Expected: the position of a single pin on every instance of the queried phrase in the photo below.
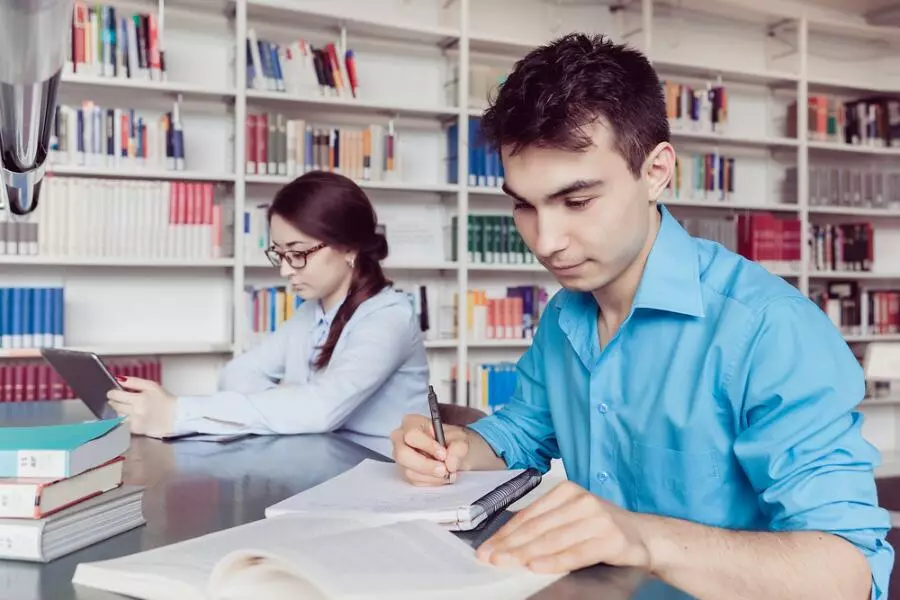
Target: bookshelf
(421, 67)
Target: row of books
(485, 166)
(27, 380)
(108, 42)
(106, 218)
(491, 239)
(300, 68)
(32, 317)
(859, 310)
(774, 242)
(842, 185)
(514, 315)
(709, 177)
(268, 307)
(841, 247)
(277, 145)
(872, 122)
(703, 109)
(91, 135)
(489, 386)
(62, 488)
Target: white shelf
(724, 138)
(730, 205)
(148, 349)
(493, 267)
(873, 337)
(839, 147)
(146, 85)
(499, 343)
(853, 275)
(728, 74)
(74, 261)
(855, 211)
(114, 172)
(352, 105)
(399, 186)
(286, 12)
(489, 44)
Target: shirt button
(603, 408)
(602, 476)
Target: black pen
(436, 417)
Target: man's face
(583, 214)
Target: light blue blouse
(377, 374)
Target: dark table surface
(194, 488)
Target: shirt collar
(671, 277)
(670, 281)
(325, 318)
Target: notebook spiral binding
(506, 494)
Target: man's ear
(659, 167)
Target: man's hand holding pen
(422, 459)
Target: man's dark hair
(559, 88)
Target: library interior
(151, 256)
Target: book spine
(21, 541)
(19, 501)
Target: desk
(194, 488)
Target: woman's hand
(149, 409)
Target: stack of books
(61, 488)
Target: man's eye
(521, 206)
(578, 203)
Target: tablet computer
(88, 377)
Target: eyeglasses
(295, 258)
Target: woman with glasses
(352, 356)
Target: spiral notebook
(377, 490)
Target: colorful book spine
(710, 177)
(510, 317)
(280, 146)
(107, 41)
(700, 109)
(872, 122)
(32, 317)
(302, 69)
(842, 246)
(485, 166)
(267, 308)
(108, 218)
(490, 386)
(28, 380)
(90, 135)
(492, 239)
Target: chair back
(461, 416)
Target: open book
(375, 489)
(313, 557)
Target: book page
(411, 559)
(188, 565)
(377, 487)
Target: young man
(703, 408)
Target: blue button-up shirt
(725, 398)
(378, 373)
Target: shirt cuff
(499, 437)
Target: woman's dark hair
(334, 210)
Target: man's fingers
(413, 460)
(456, 452)
(582, 554)
(423, 442)
(558, 496)
(532, 530)
(422, 479)
(549, 534)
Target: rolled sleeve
(801, 442)
(522, 431)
